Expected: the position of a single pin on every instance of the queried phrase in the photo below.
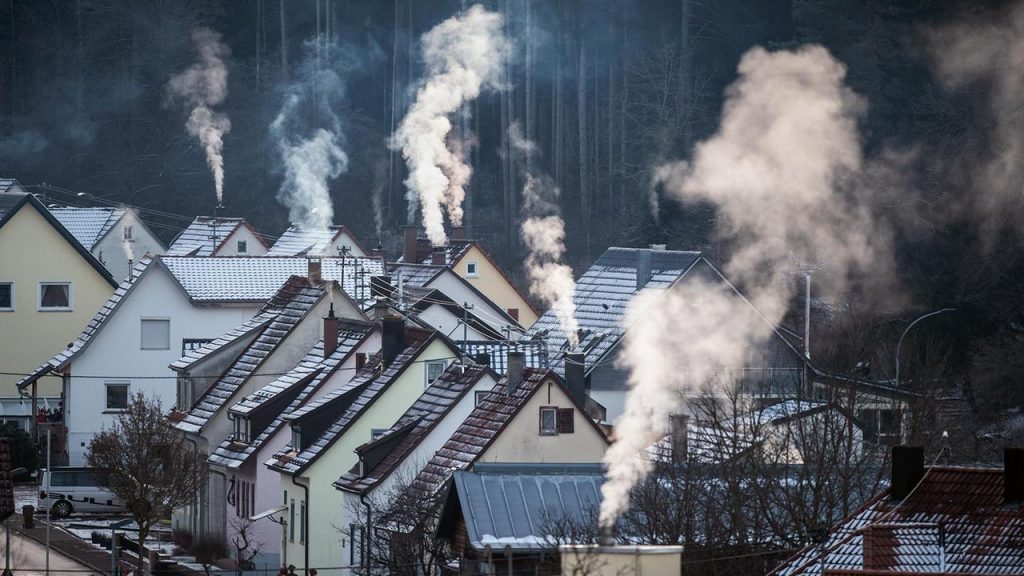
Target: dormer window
(296, 438)
(243, 246)
(434, 371)
(241, 429)
(376, 433)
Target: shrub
(181, 538)
(208, 549)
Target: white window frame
(128, 395)
(554, 421)
(184, 402)
(127, 233)
(426, 372)
(472, 270)
(155, 319)
(71, 297)
(296, 438)
(242, 246)
(242, 429)
(479, 395)
(12, 306)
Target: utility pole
(466, 307)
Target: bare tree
(147, 464)
(244, 543)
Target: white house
(168, 306)
(326, 432)
(298, 242)
(218, 236)
(115, 236)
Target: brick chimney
(331, 325)
(576, 376)
(313, 270)
(516, 367)
(392, 339)
(1013, 479)
(438, 257)
(409, 244)
(458, 233)
(907, 470)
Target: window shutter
(565, 420)
(156, 334)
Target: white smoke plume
(202, 86)
(543, 232)
(463, 55)
(380, 178)
(987, 52)
(782, 172)
(309, 138)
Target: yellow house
(469, 260)
(327, 431)
(50, 287)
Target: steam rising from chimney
(309, 138)
(782, 171)
(463, 55)
(543, 231)
(202, 86)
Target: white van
(75, 490)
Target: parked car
(75, 490)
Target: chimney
(483, 359)
(437, 257)
(392, 339)
(643, 268)
(378, 250)
(313, 270)
(131, 269)
(657, 247)
(380, 287)
(409, 244)
(458, 233)
(380, 310)
(516, 366)
(576, 376)
(907, 470)
(1013, 479)
(331, 325)
(606, 536)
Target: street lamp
(899, 344)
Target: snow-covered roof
(534, 352)
(298, 242)
(281, 314)
(88, 225)
(205, 235)
(297, 385)
(257, 278)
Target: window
(6, 295)
(117, 395)
(296, 438)
(434, 371)
(471, 270)
(479, 396)
(242, 247)
(128, 233)
(514, 313)
(376, 433)
(156, 334)
(291, 521)
(55, 296)
(241, 429)
(184, 394)
(548, 421)
(192, 344)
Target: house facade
(218, 236)
(115, 236)
(325, 434)
(50, 287)
(331, 242)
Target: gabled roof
(96, 323)
(954, 522)
(247, 328)
(519, 506)
(483, 426)
(423, 275)
(350, 402)
(536, 354)
(432, 297)
(11, 203)
(413, 426)
(256, 278)
(205, 236)
(298, 242)
(310, 374)
(602, 294)
(8, 185)
(88, 225)
(279, 317)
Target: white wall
(253, 246)
(115, 352)
(455, 289)
(448, 324)
(111, 249)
